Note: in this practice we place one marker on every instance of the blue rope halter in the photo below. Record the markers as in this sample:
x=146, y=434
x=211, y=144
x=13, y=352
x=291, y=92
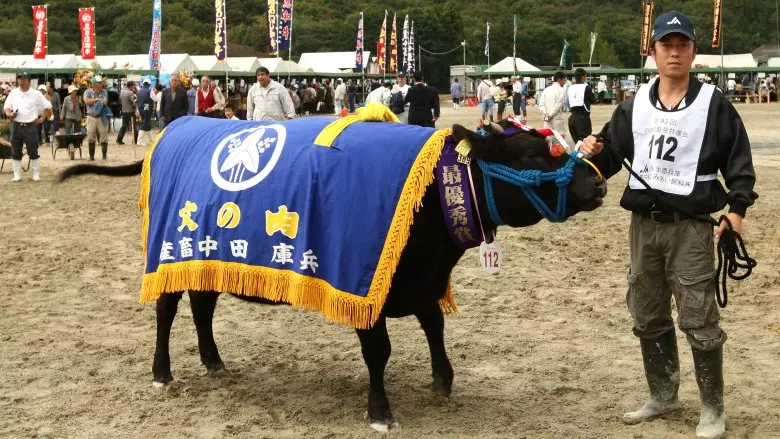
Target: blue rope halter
x=528, y=180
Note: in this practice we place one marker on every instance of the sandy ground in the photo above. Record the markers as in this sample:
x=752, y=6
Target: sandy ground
x=543, y=350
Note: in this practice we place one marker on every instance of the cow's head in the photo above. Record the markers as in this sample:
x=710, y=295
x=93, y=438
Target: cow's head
x=521, y=150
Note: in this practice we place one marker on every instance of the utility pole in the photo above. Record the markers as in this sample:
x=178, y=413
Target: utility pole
x=465, y=90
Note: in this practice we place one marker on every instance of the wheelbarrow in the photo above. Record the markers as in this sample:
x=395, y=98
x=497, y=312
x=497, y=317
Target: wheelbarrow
x=71, y=142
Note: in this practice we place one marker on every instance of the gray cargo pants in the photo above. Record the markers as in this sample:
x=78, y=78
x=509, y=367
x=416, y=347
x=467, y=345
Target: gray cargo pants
x=673, y=259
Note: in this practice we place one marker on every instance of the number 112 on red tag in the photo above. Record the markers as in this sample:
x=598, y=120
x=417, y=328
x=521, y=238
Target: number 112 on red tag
x=491, y=257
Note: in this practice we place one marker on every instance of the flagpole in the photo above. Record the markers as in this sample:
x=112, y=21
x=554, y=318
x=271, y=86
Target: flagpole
x=46, y=57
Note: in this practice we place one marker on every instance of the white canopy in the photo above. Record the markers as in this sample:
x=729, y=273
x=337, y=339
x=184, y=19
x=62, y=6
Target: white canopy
x=51, y=62
x=331, y=62
x=278, y=65
x=205, y=63
x=243, y=64
x=774, y=61
x=505, y=66
x=169, y=62
x=713, y=61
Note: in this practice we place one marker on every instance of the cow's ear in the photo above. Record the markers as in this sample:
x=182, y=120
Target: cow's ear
x=488, y=147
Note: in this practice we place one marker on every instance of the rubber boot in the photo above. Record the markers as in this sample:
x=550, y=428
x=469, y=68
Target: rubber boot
x=91, y=151
x=104, y=150
x=662, y=370
x=35, y=165
x=17, y=170
x=709, y=377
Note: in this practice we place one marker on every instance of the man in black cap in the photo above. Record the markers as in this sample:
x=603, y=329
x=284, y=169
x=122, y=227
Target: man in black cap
x=25, y=108
x=677, y=133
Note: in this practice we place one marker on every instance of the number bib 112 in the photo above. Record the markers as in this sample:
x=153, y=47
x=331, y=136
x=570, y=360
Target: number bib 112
x=490, y=256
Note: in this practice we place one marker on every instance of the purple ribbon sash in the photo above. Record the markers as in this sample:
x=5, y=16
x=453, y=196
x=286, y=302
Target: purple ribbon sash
x=453, y=180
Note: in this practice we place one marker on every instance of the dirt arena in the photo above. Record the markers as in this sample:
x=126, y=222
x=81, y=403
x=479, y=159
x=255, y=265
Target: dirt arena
x=543, y=350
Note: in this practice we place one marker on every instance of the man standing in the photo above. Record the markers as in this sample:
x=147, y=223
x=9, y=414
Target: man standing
x=174, y=103
x=192, y=94
x=127, y=100
x=145, y=105
x=268, y=100
x=519, y=92
x=98, y=113
x=209, y=100
x=381, y=95
x=338, y=97
x=552, y=104
x=351, y=92
x=399, y=92
x=455, y=93
x=423, y=103
x=71, y=111
x=56, y=107
x=677, y=126
x=580, y=98
x=25, y=107
x=485, y=97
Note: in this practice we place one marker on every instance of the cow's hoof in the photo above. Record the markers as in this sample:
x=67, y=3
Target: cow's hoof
x=158, y=385
x=442, y=386
x=217, y=369
x=382, y=426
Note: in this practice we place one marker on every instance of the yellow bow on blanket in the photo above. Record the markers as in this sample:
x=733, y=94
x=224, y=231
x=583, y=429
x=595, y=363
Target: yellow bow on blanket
x=373, y=112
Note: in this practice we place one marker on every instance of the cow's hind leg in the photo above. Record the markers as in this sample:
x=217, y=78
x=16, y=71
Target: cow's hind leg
x=203, y=304
x=432, y=322
x=375, y=345
x=167, y=305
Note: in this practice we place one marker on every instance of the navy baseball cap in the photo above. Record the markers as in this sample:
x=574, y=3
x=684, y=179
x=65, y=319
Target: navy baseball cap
x=673, y=22
x=22, y=75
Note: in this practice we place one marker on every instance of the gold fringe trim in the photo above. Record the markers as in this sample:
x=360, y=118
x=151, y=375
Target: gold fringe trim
x=373, y=112
x=143, y=200
x=296, y=289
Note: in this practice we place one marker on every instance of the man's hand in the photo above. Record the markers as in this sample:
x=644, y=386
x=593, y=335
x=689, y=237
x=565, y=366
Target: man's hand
x=208, y=110
x=736, y=223
x=38, y=121
x=591, y=146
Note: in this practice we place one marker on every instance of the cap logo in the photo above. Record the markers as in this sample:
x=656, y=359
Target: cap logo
x=674, y=21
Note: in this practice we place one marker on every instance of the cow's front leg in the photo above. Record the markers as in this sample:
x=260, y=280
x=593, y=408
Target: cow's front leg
x=375, y=345
x=203, y=304
x=166, y=312
x=432, y=322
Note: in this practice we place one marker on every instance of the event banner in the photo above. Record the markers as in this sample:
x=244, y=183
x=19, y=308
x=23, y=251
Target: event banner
x=381, y=54
x=487, y=41
x=286, y=25
x=647, y=27
x=359, y=46
x=154, y=46
x=40, y=22
x=220, y=30
x=411, y=49
x=405, y=45
x=393, y=50
x=87, y=25
x=717, y=25
x=273, y=29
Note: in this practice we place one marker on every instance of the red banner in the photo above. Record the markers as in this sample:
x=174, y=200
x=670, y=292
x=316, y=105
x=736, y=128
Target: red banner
x=647, y=27
x=39, y=21
x=87, y=26
x=393, y=50
x=381, y=55
x=717, y=25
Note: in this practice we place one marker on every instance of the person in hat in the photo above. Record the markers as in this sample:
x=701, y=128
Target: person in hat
x=145, y=106
x=339, y=95
x=44, y=131
x=192, y=94
x=25, y=108
x=380, y=95
x=678, y=134
x=71, y=114
x=96, y=99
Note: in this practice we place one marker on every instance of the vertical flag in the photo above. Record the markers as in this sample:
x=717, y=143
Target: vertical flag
x=220, y=30
x=647, y=27
x=405, y=45
x=40, y=22
x=87, y=26
x=411, y=49
x=273, y=31
x=717, y=25
x=393, y=50
x=593, y=36
x=154, y=46
x=286, y=25
x=381, y=53
x=514, y=47
x=563, y=62
x=359, y=46
x=487, y=41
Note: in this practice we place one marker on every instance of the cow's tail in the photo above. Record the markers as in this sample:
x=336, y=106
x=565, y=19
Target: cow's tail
x=114, y=171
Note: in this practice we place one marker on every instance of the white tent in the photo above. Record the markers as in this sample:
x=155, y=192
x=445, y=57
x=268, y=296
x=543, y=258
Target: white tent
x=51, y=62
x=169, y=62
x=278, y=65
x=505, y=66
x=331, y=62
x=740, y=60
x=773, y=61
x=206, y=63
x=243, y=64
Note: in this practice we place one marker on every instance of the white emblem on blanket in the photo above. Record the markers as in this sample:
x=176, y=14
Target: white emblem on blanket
x=245, y=158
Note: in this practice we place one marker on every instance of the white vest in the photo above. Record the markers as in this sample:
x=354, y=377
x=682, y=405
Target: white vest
x=576, y=96
x=667, y=144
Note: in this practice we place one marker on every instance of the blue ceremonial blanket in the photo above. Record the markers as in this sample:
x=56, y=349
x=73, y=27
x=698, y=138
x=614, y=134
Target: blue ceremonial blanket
x=256, y=208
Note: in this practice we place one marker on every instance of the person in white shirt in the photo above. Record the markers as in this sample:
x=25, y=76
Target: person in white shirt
x=552, y=104
x=230, y=112
x=485, y=97
x=339, y=95
x=402, y=87
x=601, y=90
x=731, y=87
x=381, y=94
x=519, y=93
x=268, y=99
x=25, y=107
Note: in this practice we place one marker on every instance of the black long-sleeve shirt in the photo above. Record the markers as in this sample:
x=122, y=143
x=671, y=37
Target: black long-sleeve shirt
x=726, y=148
x=423, y=104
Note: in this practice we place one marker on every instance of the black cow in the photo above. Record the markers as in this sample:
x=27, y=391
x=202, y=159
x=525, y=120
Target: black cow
x=424, y=268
